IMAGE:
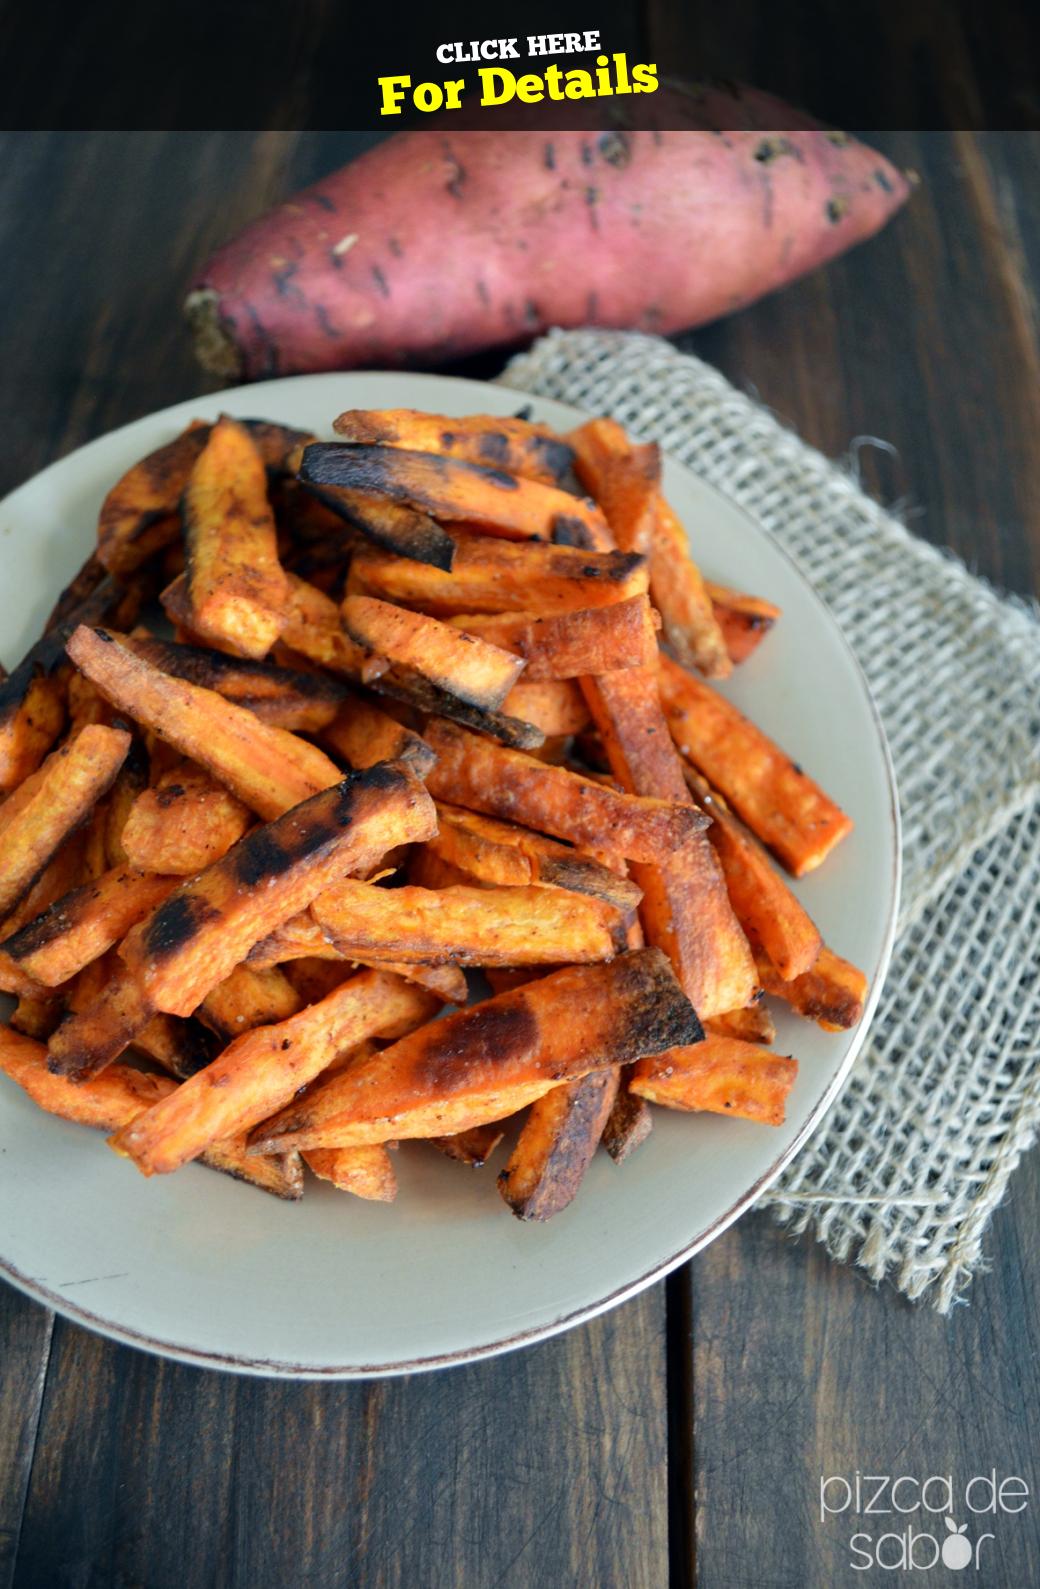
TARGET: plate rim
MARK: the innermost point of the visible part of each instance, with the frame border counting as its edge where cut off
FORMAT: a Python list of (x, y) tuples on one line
[(283, 1368)]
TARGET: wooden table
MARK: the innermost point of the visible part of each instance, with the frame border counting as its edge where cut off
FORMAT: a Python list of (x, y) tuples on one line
[(682, 1438)]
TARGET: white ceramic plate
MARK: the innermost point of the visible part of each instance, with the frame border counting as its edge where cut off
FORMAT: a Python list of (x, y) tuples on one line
[(209, 1271)]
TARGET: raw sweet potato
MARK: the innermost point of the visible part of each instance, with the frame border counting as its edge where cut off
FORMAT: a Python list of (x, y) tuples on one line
[(267, 768), (505, 783), (236, 586), (487, 1061), (210, 923), (261, 1071), (452, 490), (423, 264), (722, 1075), (566, 645), (501, 576), (556, 1144), (515, 445), (472, 669), (744, 620), (184, 824), (470, 926), (778, 800)]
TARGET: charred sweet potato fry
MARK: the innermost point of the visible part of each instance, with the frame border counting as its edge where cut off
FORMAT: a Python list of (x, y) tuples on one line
[(37, 1014), (367, 1172), (394, 526), (284, 697), (361, 734), (473, 1147), (83, 924), (516, 445), (761, 900), (622, 477), (210, 923), (130, 782), (569, 644), (267, 768), (505, 783), (555, 707), (248, 998), (262, 1070), (833, 993), (685, 908), (678, 591), (91, 1037), (32, 714), (502, 576), (451, 489), (504, 855), (139, 517), (629, 1123), (721, 1075), (555, 1147), (470, 926), (184, 824), (236, 586), (461, 663), (52, 802), (302, 939), (415, 691), (180, 1047), (753, 1024), (489, 1060), (744, 620), (63, 872), (779, 802)]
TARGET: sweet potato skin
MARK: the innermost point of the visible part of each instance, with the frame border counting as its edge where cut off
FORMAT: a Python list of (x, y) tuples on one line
[(416, 274)]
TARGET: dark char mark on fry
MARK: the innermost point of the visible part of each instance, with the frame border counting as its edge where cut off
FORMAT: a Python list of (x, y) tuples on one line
[(465, 1043), (176, 923)]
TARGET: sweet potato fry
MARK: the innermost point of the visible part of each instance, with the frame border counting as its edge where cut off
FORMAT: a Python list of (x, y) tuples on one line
[(32, 713), (470, 926), (569, 644), (287, 698), (91, 1037), (754, 1024), (744, 620), (556, 707), (502, 854), (556, 1144), (131, 781), (505, 783), (685, 909), (761, 900), (520, 448), (63, 872), (473, 1147), (248, 998), (139, 517), (502, 576), (210, 923), (721, 1075), (629, 1123), (313, 629), (411, 689), (779, 802), (451, 489), (267, 768), (262, 1070), (471, 668), (361, 734), (678, 592), (184, 824), (622, 477), (489, 1060), (367, 1172), (180, 1047), (236, 586), (53, 801), (832, 993), (394, 526), (301, 939), (83, 924), (110, 1101), (37, 1014)]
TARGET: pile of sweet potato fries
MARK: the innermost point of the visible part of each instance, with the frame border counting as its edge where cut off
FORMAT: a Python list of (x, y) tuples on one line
[(436, 698)]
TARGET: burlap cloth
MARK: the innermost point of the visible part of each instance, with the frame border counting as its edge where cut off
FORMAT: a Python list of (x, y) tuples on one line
[(903, 1176)]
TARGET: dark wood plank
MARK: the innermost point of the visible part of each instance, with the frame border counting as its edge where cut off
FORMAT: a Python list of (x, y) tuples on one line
[(549, 1466), (546, 1467), (25, 1339)]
